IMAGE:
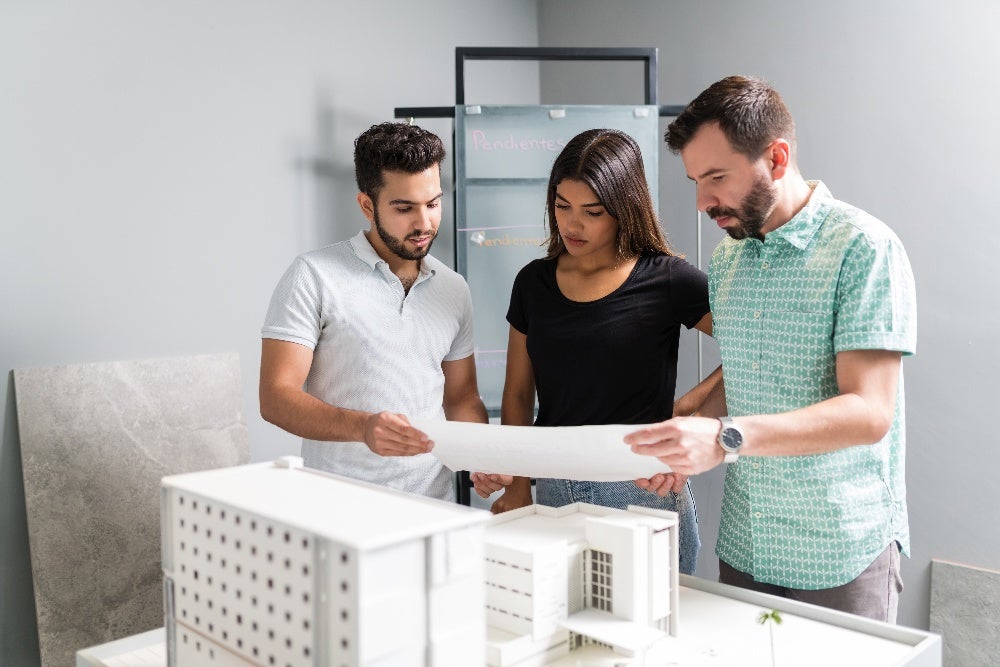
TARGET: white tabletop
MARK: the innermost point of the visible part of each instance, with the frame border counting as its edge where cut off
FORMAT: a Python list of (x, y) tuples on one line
[(718, 626)]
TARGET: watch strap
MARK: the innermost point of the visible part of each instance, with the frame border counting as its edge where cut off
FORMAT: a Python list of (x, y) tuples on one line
[(727, 422)]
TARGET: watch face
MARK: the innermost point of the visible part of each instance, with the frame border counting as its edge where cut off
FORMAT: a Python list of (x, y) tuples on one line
[(731, 439)]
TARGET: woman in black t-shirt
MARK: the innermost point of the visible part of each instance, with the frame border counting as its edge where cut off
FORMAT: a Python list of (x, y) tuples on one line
[(594, 326)]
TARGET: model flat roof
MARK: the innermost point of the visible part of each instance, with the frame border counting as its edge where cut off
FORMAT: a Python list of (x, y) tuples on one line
[(348, 511), (538, 525)]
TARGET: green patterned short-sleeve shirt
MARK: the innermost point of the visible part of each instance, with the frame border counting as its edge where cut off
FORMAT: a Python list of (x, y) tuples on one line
[(833, 278)]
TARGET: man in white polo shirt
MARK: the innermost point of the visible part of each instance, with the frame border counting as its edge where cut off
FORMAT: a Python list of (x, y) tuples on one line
[(364, 333)]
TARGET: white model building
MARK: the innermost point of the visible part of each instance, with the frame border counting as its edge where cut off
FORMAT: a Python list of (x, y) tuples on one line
[(580, 579), (273, 564)]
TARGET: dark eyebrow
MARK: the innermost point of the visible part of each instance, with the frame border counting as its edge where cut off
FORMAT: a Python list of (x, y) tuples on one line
[(596, 203), (710, 172), (407, 202)]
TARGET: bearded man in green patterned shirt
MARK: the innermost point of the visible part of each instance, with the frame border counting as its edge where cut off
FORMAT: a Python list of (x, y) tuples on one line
[(813, 306)]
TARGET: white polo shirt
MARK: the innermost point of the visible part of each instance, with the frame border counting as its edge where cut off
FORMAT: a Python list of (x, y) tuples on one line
[(374, 348)]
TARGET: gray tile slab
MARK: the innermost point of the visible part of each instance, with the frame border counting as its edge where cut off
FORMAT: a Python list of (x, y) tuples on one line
[(95, 441), (965, 611)]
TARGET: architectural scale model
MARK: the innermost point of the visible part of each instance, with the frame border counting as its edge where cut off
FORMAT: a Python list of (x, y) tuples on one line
[(585, 583), (275, 564)]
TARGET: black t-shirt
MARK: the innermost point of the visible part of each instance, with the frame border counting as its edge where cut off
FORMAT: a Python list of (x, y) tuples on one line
[(613, 360)]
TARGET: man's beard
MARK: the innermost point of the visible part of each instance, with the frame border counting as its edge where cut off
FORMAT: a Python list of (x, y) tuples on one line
[(753, 211), (397, 247)]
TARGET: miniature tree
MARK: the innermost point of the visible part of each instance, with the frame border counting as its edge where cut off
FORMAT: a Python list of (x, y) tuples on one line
[(771, 618)]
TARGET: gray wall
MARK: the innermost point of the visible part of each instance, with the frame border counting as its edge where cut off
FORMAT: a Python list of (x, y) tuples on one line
[(895, 104), (163, 162)]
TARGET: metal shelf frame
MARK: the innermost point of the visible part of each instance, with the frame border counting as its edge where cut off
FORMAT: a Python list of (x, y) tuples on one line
[(648, 57)]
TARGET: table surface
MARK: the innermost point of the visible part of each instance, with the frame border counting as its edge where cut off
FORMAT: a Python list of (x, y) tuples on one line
[(715, 629), (148, 649)]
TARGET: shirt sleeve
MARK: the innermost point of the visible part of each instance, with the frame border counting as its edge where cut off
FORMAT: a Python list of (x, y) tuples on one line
[(688, 292), (295, 311), (464, 344), (516, 312), (876, 298)]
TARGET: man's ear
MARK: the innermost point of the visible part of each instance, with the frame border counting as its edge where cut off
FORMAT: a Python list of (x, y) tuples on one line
[(779, 153), (367, 206)]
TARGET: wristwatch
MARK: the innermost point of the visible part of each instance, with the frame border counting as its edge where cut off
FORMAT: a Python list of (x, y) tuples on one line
[(730, 439)]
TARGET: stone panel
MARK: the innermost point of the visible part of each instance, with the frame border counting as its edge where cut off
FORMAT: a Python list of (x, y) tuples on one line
[(95, 441), (965, 611)]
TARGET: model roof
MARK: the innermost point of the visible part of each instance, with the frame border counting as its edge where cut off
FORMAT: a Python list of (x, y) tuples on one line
[(353, 513)]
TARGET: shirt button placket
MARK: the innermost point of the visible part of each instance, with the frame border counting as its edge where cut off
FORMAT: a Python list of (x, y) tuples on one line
[(758, 315), (396, 285), (758, 532)]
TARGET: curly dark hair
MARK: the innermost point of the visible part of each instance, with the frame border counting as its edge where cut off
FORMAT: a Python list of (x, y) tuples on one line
[(749, 111), (393, 147), (610, 163)]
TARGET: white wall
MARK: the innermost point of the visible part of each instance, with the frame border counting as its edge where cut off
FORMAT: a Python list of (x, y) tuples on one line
[(162, 163), (895, 105)]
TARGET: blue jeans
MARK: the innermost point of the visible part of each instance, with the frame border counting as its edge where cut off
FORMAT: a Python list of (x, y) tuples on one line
[(559, 492)]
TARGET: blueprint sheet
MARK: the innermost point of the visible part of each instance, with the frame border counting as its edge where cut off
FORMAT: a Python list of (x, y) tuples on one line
[(590, 453)]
